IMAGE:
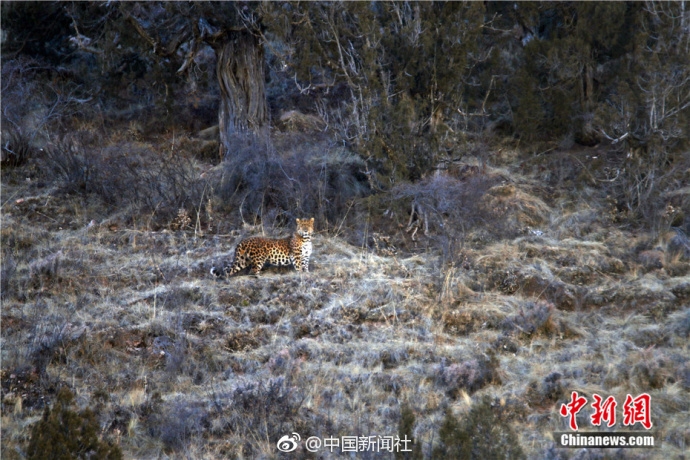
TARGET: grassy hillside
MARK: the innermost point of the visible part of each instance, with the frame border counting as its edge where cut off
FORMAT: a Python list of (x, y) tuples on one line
[(536, 288)]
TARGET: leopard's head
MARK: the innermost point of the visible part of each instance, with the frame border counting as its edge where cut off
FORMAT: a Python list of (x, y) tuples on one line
[(305, 227)]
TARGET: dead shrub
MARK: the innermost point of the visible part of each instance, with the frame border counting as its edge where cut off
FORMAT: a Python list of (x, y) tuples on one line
[(444, 209), (513, 208), (678, 245), (128, 175), (649, 369), (462, 322), (203, 324), (293, 120), (244, 340), (651, 260), (506, 343), (650, 374), (17, 147), (49, 343), (319, 181), (178, 423), (7, 271), (201, 148), (682, 326), (30, 105), (562, 295), (260, 411), (533, 318), (264, 315), (651, 180), (470, 375), (546, 393), (46, 267), (178, 297)]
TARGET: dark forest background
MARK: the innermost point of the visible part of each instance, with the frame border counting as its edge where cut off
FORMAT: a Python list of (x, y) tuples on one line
[(402, 89)]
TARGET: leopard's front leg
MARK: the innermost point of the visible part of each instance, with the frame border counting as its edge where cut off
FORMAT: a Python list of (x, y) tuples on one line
[(305, 254)]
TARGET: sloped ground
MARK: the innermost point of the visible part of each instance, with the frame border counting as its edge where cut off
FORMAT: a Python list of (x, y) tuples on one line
[(178, 364)]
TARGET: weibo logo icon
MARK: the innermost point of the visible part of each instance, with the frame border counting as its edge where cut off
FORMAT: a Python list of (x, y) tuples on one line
[(288, 443)]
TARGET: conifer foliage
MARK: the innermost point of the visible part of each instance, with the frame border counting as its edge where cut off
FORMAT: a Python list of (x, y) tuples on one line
[(63, 433)]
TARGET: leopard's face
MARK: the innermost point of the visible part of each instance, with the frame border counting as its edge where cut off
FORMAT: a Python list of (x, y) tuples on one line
[(305, 227)]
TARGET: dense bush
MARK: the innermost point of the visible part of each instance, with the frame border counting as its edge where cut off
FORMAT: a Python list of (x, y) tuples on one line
[(406, 431), (63, 433), (483, 433)]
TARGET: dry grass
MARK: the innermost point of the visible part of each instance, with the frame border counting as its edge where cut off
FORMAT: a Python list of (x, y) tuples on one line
[(175, 363)]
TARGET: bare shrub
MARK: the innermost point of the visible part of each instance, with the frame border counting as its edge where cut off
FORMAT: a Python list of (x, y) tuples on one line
[(651, 260), (16, 146), (294, 120), (682, 327), (444, 208), (315, 181), (40, 338), (205, 147), (127, 176), (7, 272), (51, 336), (678, 245), (46, 267), (649, 368), (178, 423), (471, 375), (23, 118), (260, 411), (245, 340), (532, 318), (513, 209), (36, 99), (547, 392), (649, 179), (461, 321)]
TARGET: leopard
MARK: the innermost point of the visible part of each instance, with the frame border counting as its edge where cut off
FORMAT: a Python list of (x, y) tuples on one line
[(255, 252)]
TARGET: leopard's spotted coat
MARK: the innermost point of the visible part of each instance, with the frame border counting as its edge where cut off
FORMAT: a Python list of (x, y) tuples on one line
[(257, 251)]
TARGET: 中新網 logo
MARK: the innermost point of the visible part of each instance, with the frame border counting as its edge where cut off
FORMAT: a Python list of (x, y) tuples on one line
[(634, 410)]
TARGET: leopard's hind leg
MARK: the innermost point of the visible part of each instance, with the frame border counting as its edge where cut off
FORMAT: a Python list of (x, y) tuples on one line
[(238, 264), (257, 265)]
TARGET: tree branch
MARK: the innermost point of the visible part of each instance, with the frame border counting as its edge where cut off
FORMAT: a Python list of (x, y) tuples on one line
[(158, 48)]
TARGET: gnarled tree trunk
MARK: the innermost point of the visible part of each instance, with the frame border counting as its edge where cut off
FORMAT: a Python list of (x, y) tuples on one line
[(243, 113)]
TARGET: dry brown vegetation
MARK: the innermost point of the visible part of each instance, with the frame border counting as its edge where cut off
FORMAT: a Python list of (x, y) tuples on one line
[(519, 292)]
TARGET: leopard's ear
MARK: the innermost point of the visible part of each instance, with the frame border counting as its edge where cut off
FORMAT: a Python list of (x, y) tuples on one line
[(311, 220), (298, 221)]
